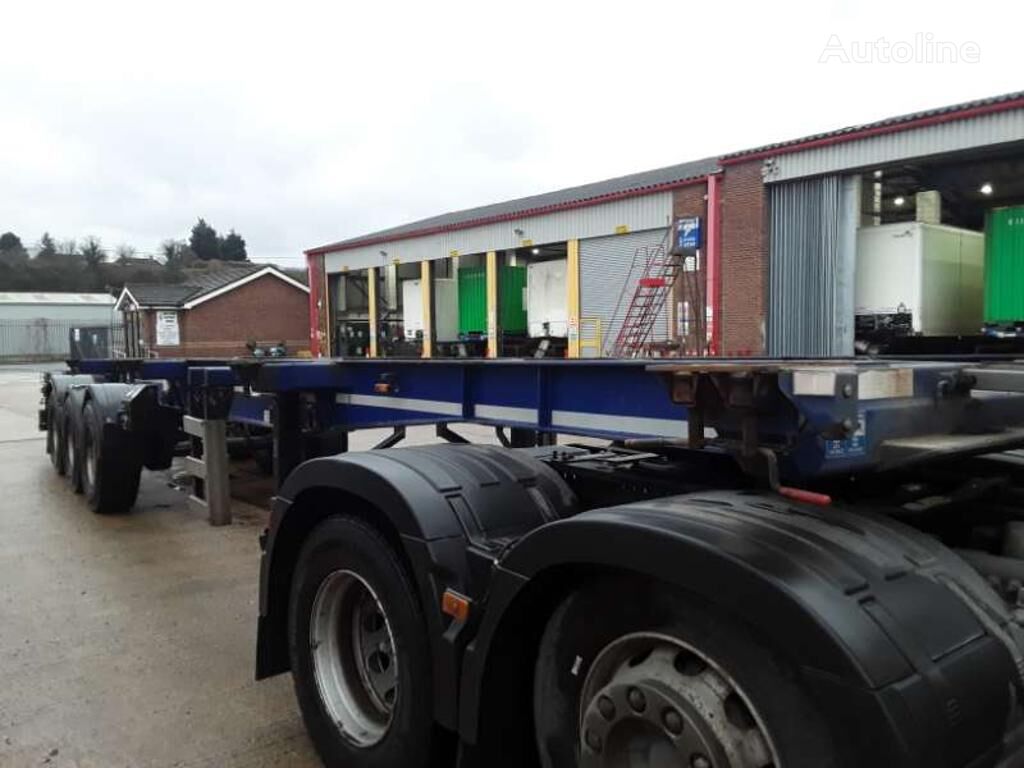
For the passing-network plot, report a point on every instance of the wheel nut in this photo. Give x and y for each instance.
(606, 707)
(593, 741)
(637, 700)
(673, 722)
(699, 761)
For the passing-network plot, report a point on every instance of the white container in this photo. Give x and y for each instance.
(412, 309)
(546, 298)
(932, 271)
(446, 309)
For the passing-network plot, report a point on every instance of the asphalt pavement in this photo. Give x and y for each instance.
(127, 641)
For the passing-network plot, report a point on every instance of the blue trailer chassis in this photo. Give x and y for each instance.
(818, 417)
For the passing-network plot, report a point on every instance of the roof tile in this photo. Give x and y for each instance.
(197, 284)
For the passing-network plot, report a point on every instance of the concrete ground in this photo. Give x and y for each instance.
(129, 641)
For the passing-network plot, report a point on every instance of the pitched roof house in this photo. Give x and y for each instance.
(216, 313)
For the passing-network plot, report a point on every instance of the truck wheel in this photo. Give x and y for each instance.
(642, 677)
(110, 465)
(359, 655)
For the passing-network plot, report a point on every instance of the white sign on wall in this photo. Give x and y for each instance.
(167, 334)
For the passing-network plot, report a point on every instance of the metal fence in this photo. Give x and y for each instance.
(46, 339)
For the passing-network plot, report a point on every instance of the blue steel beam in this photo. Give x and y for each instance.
(605, 399)
(821, 417)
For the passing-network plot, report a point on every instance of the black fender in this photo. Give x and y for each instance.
(107, 399)
(907, 651)
(134, 415)
(155, 425)
(450, 510)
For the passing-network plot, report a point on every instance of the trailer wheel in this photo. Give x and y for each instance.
(73, 429)
(56, 442)
(359, 655)
(111, 465)
(624, 678)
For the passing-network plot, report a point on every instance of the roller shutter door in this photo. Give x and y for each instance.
(810, 268)
(609, 270)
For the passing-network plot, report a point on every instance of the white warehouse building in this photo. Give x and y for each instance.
(40, 325)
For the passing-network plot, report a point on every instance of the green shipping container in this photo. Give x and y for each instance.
(473, 300)
(1004, 265)
(512, 299)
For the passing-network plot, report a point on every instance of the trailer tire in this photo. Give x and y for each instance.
(73, 428)
(111, 465)
(348, 579)
(610, 640)
(56, 442)
(58, 388)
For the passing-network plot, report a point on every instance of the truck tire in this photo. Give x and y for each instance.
(73, 404)
(110, 465)
(648, 671)
(359, 655)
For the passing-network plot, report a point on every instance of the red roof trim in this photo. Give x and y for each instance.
(469, 224)
(921, 122)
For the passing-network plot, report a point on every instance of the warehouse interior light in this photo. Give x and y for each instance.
(986, 189)
(878, 174)
(535, 251)
(899, 201)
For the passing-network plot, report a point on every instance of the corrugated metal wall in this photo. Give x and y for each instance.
(609, 270)
(807, 269)
(636, 213)
(47, 339)
(986, 130)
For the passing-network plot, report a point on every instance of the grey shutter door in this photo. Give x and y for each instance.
(609, 270)
(810, 269)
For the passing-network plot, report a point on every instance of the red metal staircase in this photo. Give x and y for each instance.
(652, 289)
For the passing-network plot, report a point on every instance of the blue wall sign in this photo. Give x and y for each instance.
(688, 233)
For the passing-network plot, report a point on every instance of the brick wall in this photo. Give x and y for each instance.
(266, 310)
(744, 259)
(692, 287)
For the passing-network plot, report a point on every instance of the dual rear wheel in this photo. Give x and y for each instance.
(624, 678)
(635, 675)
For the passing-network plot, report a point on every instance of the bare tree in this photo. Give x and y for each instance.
(124, 253)
(68, 247)
(176, 253)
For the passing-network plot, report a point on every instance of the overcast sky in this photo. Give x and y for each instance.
(303, 123)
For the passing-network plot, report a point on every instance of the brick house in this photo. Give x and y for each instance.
(216, 314)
